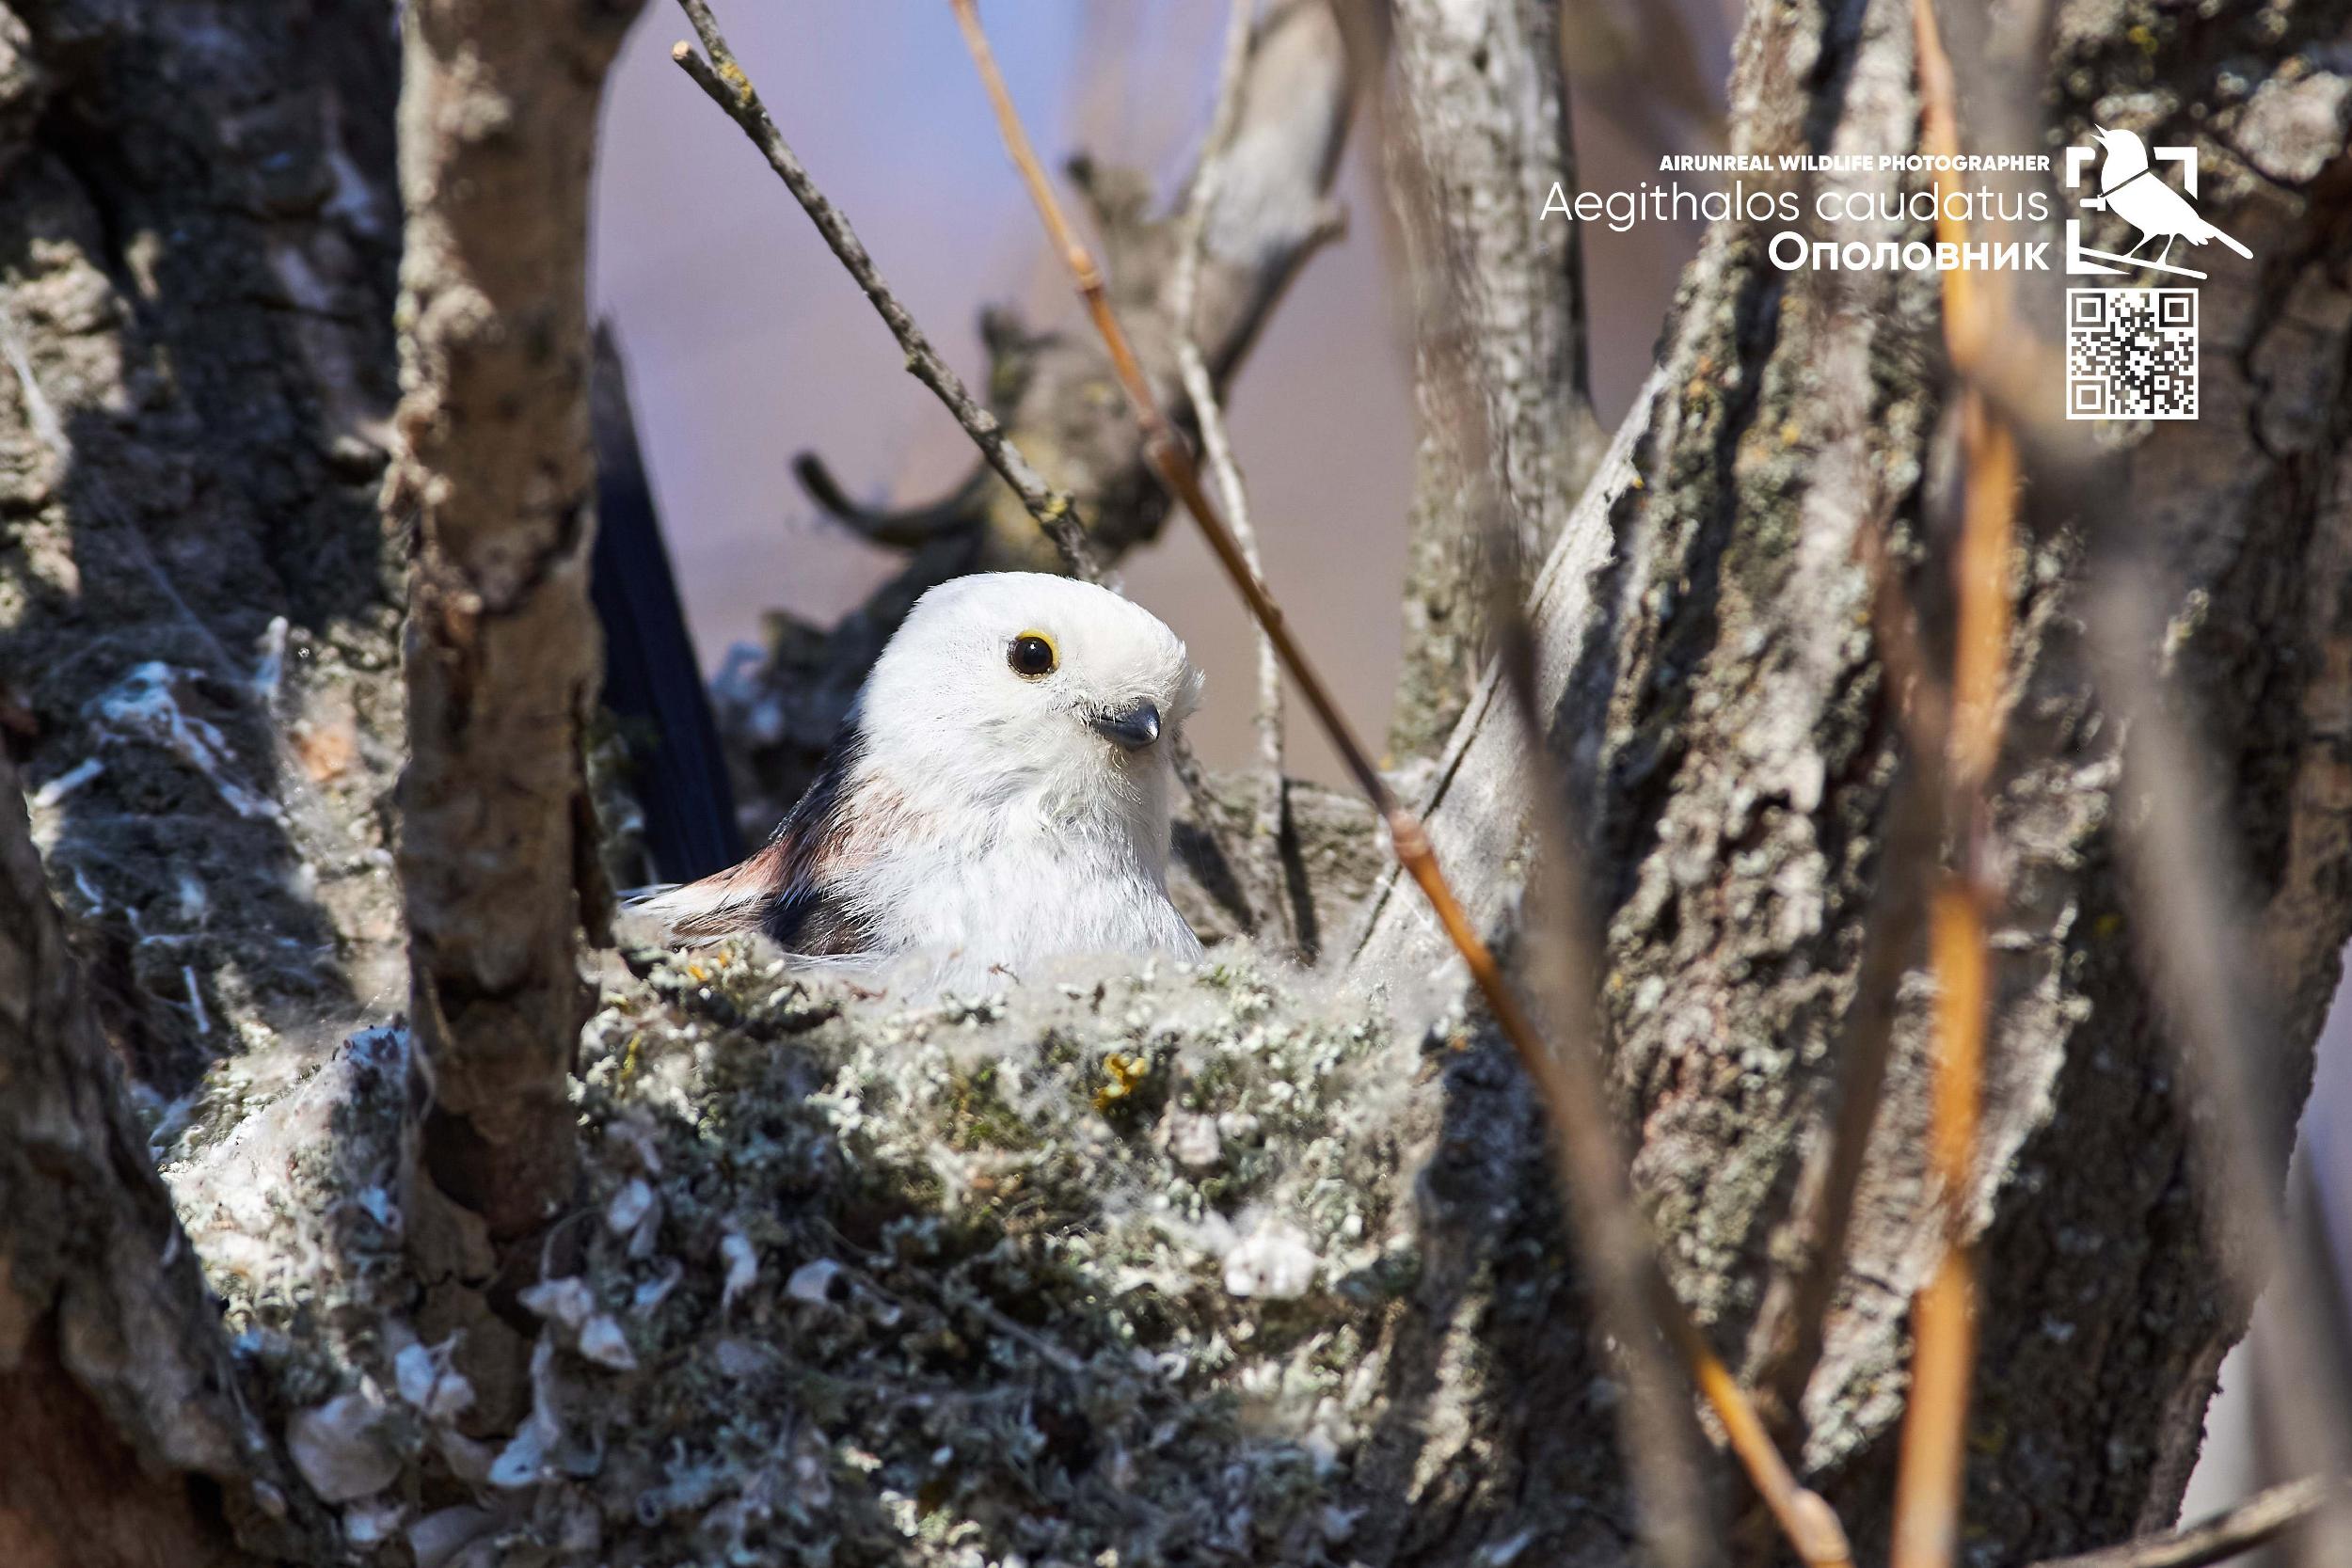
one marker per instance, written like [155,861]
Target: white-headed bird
[998,795]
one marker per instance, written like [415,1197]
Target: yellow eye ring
[1033,656]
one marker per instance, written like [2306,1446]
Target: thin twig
[1193,222]
[2195,939]
[1562,938]
[1271,909]
[1930,1480]
[2255,1522]
[1173,463]
[1807,1520]
[1629,1288]
[727,85]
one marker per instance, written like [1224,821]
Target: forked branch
[2233,1532]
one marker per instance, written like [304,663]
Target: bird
[2128,188]
[997,797]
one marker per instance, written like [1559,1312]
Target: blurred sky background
[746,342]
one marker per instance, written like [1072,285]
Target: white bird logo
[2129,187]
[998,796]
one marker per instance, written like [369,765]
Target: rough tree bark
[1720,717]
[1478,142]
[125,1445]
[198,609]
[498,124]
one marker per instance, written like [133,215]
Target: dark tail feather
[651,679]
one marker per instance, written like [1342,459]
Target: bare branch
[2231,1532]
[1263,878]
[723,81]
[1930,1480]
[901,528]
[1656,1432]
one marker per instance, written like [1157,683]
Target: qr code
[2131,354]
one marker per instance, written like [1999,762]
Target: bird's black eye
[1032,656]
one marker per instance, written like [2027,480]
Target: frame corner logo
[2130,188]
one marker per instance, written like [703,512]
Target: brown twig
[1807,1521]
[1166,452]
[2255,1522]
[1173,463]
[1270,907]
[1931,1473]
[1562,938]
[1630,1291]
[723,81]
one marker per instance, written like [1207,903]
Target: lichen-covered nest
[1087,1272]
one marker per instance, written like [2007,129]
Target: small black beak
[1132,728]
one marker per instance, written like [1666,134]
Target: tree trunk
[1478,145]
[1718,711]
[198,606]
[198,672]
[498,854]
[125,1444]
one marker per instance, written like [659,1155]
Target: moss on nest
[1088,1271]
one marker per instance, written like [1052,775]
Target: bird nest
[1090,1270]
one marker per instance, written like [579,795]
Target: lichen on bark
[199,609]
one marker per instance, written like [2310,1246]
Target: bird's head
[1019,686]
